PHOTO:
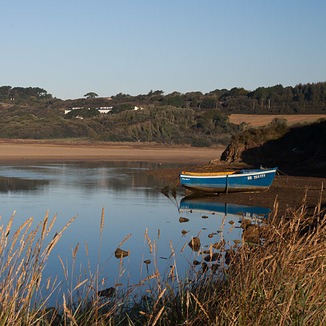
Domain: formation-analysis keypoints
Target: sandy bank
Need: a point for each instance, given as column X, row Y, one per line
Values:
column 39, row 151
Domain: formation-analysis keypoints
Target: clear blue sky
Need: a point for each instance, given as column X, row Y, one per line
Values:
column 71, row 47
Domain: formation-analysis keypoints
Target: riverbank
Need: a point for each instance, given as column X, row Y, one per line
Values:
column 225, row 287
column 73, row 151
column 288, row 190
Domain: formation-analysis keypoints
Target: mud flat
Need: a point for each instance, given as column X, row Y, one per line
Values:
column 288, row 191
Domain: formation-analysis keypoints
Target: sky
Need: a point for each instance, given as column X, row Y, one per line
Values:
column 72, row 47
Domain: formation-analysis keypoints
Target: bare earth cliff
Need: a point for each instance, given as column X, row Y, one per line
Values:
column 297, row 149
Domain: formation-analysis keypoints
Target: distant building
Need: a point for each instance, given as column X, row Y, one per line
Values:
column 102, row 109
column 76, row 108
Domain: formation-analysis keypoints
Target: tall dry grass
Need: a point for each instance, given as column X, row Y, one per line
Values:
column 277, row 281
column 23, row 256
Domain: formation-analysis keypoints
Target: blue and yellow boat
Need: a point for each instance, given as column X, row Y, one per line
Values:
column 225, row 182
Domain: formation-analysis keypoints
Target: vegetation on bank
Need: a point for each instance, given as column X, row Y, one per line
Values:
column 274, row 276
column 191, row 118
column 164, row 124
column 245, row 141
column 276, row 144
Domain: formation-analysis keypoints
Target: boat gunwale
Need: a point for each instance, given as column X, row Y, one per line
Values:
column 206, row 173
column 227, row 174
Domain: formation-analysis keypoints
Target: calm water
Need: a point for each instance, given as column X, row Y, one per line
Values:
column 132, row 203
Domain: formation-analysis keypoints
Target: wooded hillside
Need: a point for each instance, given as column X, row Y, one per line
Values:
column 191, row 118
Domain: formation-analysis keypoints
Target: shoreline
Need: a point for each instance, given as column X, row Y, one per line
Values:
column 288, row 190
column 77, row 151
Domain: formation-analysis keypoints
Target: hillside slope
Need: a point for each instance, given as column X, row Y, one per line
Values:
column 291, row 149
column 260, row 120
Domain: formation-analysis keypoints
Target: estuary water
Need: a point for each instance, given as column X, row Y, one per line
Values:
column 133, row 205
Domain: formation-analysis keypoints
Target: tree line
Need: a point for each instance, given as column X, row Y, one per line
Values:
column 8, row 93
column 191, row 118
column 307, row 98
column 300, row 99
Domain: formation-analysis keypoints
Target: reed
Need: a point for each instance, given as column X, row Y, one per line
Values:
column 278, row 280
column 22, row 260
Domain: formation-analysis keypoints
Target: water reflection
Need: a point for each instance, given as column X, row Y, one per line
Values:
column 210, row 205
column 133, row 204
column 117, row 176
column 17, row 184
column 131, row 200
column 224, row 226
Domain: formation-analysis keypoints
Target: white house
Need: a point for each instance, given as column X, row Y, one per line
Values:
column 102, row 109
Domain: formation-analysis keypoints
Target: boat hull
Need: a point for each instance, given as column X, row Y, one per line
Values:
column 246, row 181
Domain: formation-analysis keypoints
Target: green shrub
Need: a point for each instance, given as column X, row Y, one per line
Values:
column 201, row 142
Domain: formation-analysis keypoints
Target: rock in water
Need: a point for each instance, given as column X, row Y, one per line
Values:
column 121, row 253
column 204, row 267
column 219, row 245
column 109, row 292
column 194, row 244
column 251, row 234
column 212, row 257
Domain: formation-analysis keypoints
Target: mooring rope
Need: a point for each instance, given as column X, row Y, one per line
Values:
column 279, row 172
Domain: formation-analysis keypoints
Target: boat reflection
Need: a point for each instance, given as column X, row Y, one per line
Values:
column 209, row 205
column 220, row 233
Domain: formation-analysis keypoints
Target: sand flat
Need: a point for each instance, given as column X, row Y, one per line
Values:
column 39, row 151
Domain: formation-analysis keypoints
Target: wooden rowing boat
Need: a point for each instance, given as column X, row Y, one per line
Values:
column 224, row 182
